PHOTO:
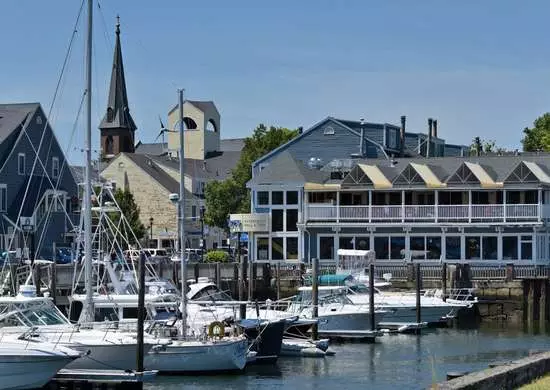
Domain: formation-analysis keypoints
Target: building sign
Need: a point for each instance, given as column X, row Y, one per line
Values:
column 249, row 223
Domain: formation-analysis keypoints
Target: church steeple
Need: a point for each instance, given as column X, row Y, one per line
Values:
column 117, row 127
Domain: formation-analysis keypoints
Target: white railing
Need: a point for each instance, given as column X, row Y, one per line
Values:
column 427, row 213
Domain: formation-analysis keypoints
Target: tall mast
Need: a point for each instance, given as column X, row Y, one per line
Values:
column 89, row 313
column 181, row 221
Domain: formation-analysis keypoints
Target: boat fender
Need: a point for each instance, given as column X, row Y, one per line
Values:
column 216, row 328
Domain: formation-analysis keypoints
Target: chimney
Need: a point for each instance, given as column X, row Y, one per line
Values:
column 362, row 140
column 429, row 141
column 434, row 128
column 402, row 136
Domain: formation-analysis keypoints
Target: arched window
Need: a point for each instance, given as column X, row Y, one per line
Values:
column 110, row 114
column 109, row 145
column 211, row 126
column 189, row 123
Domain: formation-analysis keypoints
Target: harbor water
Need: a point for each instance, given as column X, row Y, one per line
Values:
column 394, row 362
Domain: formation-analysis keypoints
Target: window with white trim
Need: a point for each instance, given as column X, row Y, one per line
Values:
column 21, row 163
column 3, row 197
column 55, row 167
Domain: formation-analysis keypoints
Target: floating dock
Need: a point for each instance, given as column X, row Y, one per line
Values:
column 402, row 327
column 105, row 379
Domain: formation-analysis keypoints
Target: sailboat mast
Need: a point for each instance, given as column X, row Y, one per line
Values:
column 88, row 182
column 181, row 221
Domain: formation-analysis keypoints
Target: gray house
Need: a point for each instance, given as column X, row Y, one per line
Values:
column 38, row 194
column 490, row 208
column 332, row 139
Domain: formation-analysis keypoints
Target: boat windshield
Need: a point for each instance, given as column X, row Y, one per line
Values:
column 211, row 293
column 37, row 313
column 360, row 288
column 325, row 297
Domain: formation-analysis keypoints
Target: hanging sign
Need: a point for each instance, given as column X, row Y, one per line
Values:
column 249, row 223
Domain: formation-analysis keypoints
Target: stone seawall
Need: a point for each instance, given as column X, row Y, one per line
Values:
column 509, row 376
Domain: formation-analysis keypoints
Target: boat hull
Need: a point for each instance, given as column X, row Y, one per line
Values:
column 106, row 356
column 21, row 372
column 407, row 314
column 266, row 339
column 344, row 324
column 199, row 357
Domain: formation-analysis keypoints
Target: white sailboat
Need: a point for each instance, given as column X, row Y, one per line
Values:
column 210, row 353
column 31, row 365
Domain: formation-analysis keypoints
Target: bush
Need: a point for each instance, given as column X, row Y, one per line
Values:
column 217, row 257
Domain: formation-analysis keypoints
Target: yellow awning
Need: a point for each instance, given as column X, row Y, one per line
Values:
column 430, row 179
column 321, row 187
column 538, row 172
column 376, row 176
column 484, row 179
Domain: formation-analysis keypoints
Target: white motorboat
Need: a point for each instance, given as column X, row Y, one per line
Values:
column 106, row 350
column 31, row 365
column 337, row 315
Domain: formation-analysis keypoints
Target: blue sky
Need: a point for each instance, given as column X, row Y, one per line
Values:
column 479, row 67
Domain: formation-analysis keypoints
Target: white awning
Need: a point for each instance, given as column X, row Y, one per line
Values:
column 430, row 179
column 538, row 172
column 484, row 178
column 375, row 175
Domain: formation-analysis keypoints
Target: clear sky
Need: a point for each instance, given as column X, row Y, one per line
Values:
column 479, row 67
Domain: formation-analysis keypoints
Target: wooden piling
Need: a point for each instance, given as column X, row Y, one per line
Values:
column 315, row 296
column 530, row 303
column 418, row 288
column 197, row 272
column 141, row 314
column 278, row 280
column 371, row 297
column 218, row 275
column 250, row 281
column 53, row 282
column 444, row 281
column 37, row 278
column 241, row 282
column 543, row 304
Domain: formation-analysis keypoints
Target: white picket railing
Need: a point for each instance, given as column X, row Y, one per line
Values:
column 425, row 213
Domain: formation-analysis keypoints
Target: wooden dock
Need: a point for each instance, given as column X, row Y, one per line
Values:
column 102, row 379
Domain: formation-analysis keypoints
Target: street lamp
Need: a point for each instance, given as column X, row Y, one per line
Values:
column 151, row 230
column 202, row 209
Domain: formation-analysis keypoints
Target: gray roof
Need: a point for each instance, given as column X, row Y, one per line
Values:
column 232, row 144
column 216, row 166
column 79, row 173
column 157, row 173
column 118, row 112
column 155, row 149
column 202, row 105
column 286, row 169
column 14, row 115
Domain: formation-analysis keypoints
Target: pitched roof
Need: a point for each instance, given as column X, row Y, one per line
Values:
column 156, row 149
column 79, row 174
column 216, row 166
column 154, row 171
column 285, row 168
column 118, row 112
column 232, row 144
column 13, row 116
column 202, row 105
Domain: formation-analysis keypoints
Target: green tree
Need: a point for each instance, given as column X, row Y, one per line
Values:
column 130, row 210
column 538, row 137
column 231, row 195
column 480, row 146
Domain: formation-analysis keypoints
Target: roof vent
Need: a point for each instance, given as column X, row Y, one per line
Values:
column 315, row 163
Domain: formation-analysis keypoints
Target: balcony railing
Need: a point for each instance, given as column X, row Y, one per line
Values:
column 427, row 213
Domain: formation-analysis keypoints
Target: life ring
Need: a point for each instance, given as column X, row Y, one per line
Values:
column 216, row 329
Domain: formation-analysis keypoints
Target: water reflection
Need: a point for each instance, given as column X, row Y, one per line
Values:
column 396, row 361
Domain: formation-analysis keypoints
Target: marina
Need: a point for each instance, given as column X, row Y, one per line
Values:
column 349, row 255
